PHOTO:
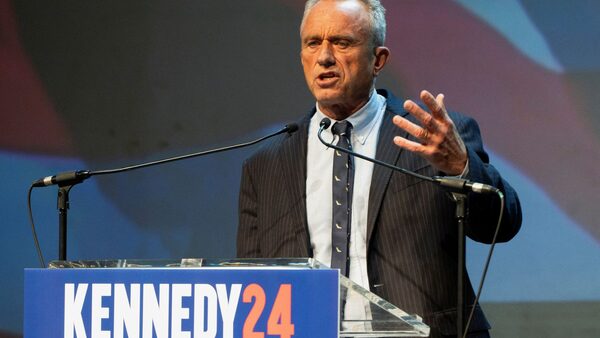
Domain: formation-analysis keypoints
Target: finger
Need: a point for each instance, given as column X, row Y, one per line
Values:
column 424, row 117
column 409, row 145
column 413, row 129
column 440, row 100
column 436, row 109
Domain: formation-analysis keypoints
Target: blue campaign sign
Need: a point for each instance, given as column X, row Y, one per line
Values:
column 181, row 303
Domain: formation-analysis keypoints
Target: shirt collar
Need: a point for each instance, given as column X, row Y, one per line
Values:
column 365, row 119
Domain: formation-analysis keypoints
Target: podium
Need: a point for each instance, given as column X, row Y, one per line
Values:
column 193, row 298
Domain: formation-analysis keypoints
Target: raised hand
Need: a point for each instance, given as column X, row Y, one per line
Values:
column 438, row 140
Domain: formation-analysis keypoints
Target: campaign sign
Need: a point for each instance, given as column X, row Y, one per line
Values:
column 181, row 303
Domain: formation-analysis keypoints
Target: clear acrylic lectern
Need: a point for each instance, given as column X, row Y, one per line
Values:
column 362, row 313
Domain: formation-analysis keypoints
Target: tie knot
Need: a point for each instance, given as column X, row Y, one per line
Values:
column 342, row 128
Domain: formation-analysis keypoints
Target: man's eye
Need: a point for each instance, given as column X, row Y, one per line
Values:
column 312, row 43
column 342, row 43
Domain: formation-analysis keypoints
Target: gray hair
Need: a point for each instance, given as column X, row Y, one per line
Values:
column 376, row 16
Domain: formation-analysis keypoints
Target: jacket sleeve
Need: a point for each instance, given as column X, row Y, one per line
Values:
column 484, row 210
column 247, row 236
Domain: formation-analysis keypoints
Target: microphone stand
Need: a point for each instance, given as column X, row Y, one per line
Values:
column 459, row 199
column 67, row 180
column 63, row 207
column 457, row 187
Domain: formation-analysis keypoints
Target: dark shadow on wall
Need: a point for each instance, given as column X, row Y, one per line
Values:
column 4, row 334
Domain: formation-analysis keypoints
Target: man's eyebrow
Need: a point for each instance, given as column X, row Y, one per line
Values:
column 342, row 37
column 312, row 37
column 330, row 38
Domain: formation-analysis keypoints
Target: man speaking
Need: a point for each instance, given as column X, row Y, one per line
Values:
column 390, row 233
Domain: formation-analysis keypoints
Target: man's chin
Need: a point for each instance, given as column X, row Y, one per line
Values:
column 328, row 98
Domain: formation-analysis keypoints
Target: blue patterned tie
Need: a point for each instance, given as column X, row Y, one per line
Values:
column 343, row 179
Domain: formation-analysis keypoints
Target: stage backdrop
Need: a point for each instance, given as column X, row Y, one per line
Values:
column 102, row 84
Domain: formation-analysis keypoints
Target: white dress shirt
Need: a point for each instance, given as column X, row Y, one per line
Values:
column 366, row 123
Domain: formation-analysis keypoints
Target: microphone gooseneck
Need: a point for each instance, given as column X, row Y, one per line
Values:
column 325, row 123
column 75, row 177
column 455, row 184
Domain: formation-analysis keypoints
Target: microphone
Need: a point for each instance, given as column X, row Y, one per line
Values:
column 66, row 178
column 289, row 128
column 325, row 123
column 75, row 177
column 461, row 184
column 452, row 183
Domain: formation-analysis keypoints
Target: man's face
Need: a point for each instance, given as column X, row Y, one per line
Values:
column 337, row 55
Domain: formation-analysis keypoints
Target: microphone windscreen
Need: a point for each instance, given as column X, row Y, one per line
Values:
column 292, row 127
column 325, row 123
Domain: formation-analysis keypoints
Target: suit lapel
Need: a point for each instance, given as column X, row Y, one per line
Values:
column 387, row 152
column 292, row 156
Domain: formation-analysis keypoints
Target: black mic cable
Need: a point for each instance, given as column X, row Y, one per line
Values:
column 75, row 177
column 36, row 242
column 453, row 184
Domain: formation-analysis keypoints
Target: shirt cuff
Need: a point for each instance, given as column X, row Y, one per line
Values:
column 465, row 171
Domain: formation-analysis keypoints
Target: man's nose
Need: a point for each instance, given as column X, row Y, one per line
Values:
column 326, row 58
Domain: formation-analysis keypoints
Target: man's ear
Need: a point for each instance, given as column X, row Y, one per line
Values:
column 381, row 56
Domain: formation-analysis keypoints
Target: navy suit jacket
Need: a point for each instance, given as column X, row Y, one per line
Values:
column 411, row 229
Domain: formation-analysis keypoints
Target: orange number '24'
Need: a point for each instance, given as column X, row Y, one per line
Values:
column 280, row 318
